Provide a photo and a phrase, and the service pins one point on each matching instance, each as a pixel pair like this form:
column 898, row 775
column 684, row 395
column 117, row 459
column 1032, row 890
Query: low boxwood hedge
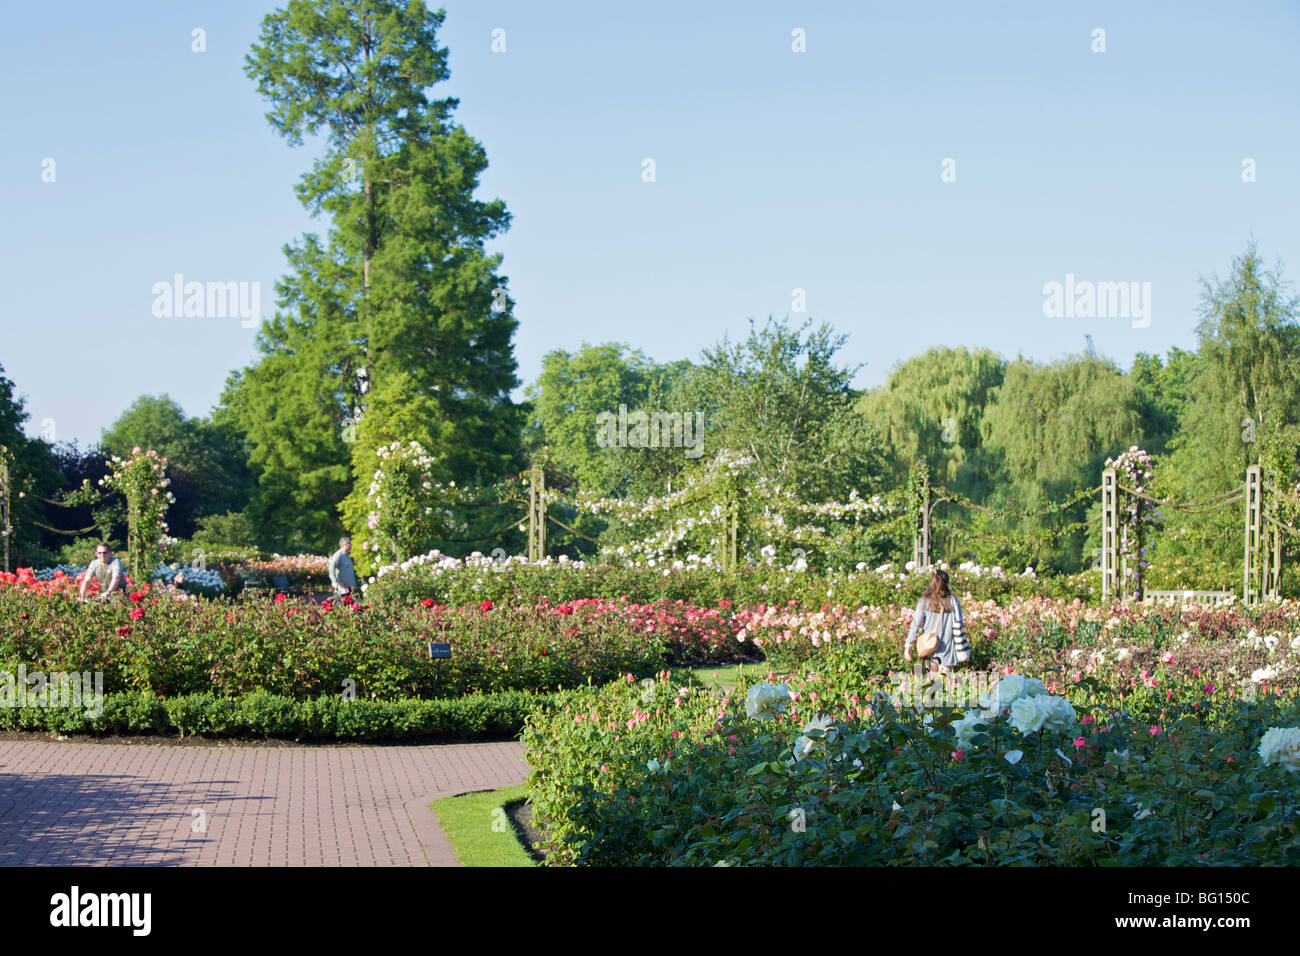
column 266, row 715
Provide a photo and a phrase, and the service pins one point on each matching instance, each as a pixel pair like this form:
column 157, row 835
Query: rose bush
column 673, row 775
column 152, row 643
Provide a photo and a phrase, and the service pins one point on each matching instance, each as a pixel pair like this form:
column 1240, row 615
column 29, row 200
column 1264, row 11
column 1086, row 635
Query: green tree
column 1048, row 433
column 780, row 399
column 1242, row 409
column 1166, row 386
column 570, row 394
column 31, row 470
column 402, row 289
column 932, row 407
column 207, row 461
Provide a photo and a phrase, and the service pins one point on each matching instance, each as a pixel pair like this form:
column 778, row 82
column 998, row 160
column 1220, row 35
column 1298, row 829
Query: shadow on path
column 104, row 819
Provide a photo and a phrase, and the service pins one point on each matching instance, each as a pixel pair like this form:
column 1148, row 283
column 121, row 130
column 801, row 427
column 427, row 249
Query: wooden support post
column 1252, row 572
column 1275, row 569
column 921, row 533
column 4, row 509
column 536, row 515
column 541, row 514
column 1111, row 588
column 1272, row 546
column 724, row 542
column 734, row 533
column 927, row 546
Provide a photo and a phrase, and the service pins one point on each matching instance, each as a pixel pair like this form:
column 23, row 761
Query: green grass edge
column 468, row 822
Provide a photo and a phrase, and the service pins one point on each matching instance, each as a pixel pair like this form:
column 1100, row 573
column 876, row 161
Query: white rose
column 1123, row 654
column 653, row 766
column 965, row 728
column 1281, row 746
column 803, row 746
column 1010, row 688
column 1013, row 756
column 1028, row 714
column 1059, row 711
column 766, row 701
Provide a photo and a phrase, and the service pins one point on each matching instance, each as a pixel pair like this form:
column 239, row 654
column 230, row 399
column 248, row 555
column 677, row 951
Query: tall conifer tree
column 401, row 301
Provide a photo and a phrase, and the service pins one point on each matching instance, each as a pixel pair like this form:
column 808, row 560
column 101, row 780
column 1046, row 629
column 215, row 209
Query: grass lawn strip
column 480, row 829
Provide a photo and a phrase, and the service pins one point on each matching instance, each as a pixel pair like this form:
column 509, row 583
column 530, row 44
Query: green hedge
column 265, row 715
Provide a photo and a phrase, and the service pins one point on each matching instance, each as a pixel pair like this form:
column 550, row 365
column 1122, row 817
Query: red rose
column 137, row 613
column 123, row 631
column 280, row 598
column 427, row 602
column 137, row 597
column 485, row 606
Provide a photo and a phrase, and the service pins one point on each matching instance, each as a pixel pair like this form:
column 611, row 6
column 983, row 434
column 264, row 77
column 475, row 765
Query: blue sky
column 775, row 171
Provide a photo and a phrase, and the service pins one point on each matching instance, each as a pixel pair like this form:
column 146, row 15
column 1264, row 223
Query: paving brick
column 64, row 803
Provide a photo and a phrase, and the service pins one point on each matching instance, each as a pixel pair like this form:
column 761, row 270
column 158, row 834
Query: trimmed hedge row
column 266, row 715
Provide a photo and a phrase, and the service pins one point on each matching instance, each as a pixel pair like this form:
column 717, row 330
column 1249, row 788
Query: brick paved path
column 134, row 804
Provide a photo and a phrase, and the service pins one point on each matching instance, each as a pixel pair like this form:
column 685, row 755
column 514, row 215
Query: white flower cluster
column 996, row 572
column 437, row 563
column 765, row 701
column 1032, row 709
column 1267, row 642
column 1281, row 746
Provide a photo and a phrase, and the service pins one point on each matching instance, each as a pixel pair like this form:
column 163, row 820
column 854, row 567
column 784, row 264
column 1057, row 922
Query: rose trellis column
column 1111, row 581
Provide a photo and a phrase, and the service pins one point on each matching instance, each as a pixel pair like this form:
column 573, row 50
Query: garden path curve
column 143, row 804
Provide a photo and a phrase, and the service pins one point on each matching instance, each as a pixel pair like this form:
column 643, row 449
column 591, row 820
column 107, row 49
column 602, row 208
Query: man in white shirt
column 107, row 570
column 343, row 577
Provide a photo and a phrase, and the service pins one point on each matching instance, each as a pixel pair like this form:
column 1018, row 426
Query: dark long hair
column 938, row 595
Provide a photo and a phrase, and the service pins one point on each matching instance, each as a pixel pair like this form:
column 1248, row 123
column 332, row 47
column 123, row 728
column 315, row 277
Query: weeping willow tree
column 1243, row 405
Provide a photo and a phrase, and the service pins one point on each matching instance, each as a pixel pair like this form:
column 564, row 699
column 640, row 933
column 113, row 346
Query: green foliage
column 400, row 311
column 142, row 479
column 229, row 530
column 1049, row 430
column 262, row 714
column 779, row 398
column 207, row 462
column 30, row 470
column 573, row 389
column 932, row 408
column 768, row 584
column 1242, row 409
column 1161, row 766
